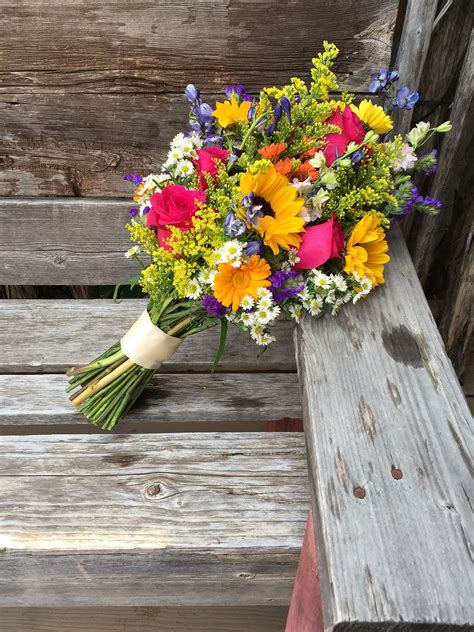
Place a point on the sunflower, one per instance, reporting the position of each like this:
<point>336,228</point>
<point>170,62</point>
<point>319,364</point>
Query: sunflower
<point>231,284</point>
<point>374,116</point>
<point>366,250</point>
<point>280,226</point>
<point>230,112</point>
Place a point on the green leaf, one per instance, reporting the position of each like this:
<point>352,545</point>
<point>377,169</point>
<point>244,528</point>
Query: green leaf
<point>220,348</point>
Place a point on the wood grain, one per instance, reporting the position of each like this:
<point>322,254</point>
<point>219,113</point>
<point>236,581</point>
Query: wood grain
<point>388,433</point>
<point>180,399</point>
<point>151,520</point>
<point>78,109</point>
<point>211,619</point>
<point>51,335</point>
<point>412,51</point>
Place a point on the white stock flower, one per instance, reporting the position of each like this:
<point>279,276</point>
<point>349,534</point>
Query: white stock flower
<point>318,160</point>
<point>418,134</point>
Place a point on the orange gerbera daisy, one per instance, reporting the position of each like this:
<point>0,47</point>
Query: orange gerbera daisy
<point>273,152</point>
<point>232,284</point>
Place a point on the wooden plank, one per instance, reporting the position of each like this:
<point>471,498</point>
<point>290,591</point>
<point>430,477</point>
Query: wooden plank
<point>64,242</point>
<point>237,619</point>
<point>49,336</point>
<point>151,520</point>
<point>412,51</point>
<point>388,433</point>
<point>77,112</point>
<point>305,613</point>
<point>179,399</point>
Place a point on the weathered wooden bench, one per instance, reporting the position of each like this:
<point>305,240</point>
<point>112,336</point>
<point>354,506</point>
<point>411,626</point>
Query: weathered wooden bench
<point>190,516</point>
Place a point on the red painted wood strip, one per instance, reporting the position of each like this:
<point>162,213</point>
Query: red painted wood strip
<point>285,425</point>
<point>305,613</point>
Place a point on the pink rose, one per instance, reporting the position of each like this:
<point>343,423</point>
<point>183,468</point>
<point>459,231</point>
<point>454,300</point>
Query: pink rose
<point>352,129</point>
<point>320,243</point>
<point>174,206</point>
<point>207,162</point>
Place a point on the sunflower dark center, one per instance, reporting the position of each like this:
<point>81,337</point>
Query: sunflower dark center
<point>266,206</point>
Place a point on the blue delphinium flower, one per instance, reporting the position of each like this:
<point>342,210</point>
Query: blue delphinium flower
<point>201,113</point>
<point>382,79</point>
<point>405,99</point>
<point>254,248</point>
<point>237,91</point>
<point>233,226</point>
<point>283,105</point>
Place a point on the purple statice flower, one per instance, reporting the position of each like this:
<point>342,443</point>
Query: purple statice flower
<point>254,248</point>
<point>132,177</point>
<point>233,226</point>
<point>434,202</point>
<point>237,91</point>
<point>280,276</point>
<point>133,212</point>
<point>382,79</point>
<point>278,279</point>
<point>405,99</point>
<point>433,167</point>
<point>213,306</point>
<point>287,292</point>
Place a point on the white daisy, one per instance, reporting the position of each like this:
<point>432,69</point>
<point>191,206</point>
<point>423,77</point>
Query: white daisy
<point>206,276</point>
<point>295,312</point>
<point>265,302</point>
<point>263,316</point>
<point>177,140</point>
<point>193,289</point>
<point>265,339</point>
<point>275,311</point>
<point>320,279</point>
<point>304,294</point>
<point>331,297</point>
<point>133,251</point>
<point>184,168</point>
<point>196,140</point>
<point>315,306</point>
<point>257,330</point>
<point>262,292</point>
<point>339,282</point>
<point>247,302</point>
<point>247,319</point>
<point>174,155</point>
<point>231,252</point>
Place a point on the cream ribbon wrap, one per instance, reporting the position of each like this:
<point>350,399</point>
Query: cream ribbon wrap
<point>147,345</point>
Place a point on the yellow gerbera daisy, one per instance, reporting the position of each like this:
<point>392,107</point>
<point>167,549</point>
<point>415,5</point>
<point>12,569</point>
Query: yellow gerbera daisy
<point>374,116</point>
<point>232,284</point>
<point>366,250</point>
<point>230,112</point>
<point>281,226</point>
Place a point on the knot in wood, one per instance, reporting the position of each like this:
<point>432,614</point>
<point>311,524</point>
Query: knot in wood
<point>153,490</point>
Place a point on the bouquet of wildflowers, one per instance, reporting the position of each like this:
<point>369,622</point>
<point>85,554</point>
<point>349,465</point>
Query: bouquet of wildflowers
<point>267,207</point>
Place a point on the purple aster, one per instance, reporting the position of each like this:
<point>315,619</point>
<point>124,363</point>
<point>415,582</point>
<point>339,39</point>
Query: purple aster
<point>146,210</point>
<point>132,212</point>
<point>405,99</point>
<point>213,306</point>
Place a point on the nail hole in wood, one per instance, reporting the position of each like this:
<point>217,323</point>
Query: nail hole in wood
<point>359,492</point>
<point>396,473</point>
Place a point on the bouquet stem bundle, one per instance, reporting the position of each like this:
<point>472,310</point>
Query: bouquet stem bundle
<point>108,386</point>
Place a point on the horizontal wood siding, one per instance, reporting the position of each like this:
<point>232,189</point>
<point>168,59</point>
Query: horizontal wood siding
<point>89,91</point>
